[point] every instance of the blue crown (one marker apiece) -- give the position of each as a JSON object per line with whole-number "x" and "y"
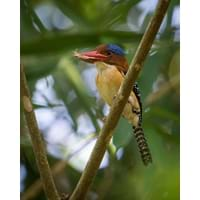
{"x": 115, "y": 49}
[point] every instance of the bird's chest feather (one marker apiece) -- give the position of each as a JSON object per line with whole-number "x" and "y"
{"x": 108, "y": 82}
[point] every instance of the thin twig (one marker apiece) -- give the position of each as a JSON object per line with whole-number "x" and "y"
{"x": 106, "y": 133}
{"x": 37, "y": 142}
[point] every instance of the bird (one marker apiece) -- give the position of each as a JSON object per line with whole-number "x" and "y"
{"x": 112, "y": 67}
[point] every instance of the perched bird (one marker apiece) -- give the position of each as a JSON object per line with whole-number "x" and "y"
{"x": 112, "y": 66}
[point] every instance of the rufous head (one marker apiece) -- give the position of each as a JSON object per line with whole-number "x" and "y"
{"x": 108, "y": 53}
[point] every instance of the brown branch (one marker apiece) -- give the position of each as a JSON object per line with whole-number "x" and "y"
{"x": 106, "y": 133}
{"x": 36, "y": 187}
{"x": 37, "y": 142}
{"x": 57, "y": 168}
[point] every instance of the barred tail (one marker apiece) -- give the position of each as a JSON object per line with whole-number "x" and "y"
{"x": 142, "y": 145}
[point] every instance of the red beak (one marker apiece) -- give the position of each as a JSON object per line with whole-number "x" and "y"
{"x": 91, "y": 56}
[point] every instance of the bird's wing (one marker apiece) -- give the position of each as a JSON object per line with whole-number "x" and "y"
{"x": 137, "y": 93}
{"x": 138, "y": 96}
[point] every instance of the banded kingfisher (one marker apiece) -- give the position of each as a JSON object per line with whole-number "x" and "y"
{"x": 112, "y": 66}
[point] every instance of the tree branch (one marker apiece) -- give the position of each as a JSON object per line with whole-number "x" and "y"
{"x": 37, "y": 142}
{"x": 57, "y": 168}
{"x": 119, "y": 103}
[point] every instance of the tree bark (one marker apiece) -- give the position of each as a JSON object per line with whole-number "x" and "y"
{"x": 37, "y": 142}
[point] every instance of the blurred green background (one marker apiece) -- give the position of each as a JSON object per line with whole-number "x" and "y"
{"x": 68, "y": 107}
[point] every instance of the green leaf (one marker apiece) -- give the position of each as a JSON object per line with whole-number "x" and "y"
{"x": 37, "y": 68}
{"x": 27, "y": 29}
{"x": 73, "y": 10}
{"x": 59, "y": 42}
{"x": 174, "y": 68}
{"x": 74, "y": 79}
{"x": 164, "y": 113}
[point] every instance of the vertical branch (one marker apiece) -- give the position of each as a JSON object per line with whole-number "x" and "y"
{"x": 119, "y": 103}
{"x": 37, "y": 142}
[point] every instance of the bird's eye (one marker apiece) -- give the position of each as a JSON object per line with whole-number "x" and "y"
{"x": 108, "y": 53}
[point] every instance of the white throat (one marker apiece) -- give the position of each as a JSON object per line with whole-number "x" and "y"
{"x": 101, "y": 66}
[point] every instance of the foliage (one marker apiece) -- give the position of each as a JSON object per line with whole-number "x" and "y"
{"x": 69, "y": 110}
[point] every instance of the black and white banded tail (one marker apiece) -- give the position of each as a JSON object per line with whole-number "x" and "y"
{"x": 142, "y": 145}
